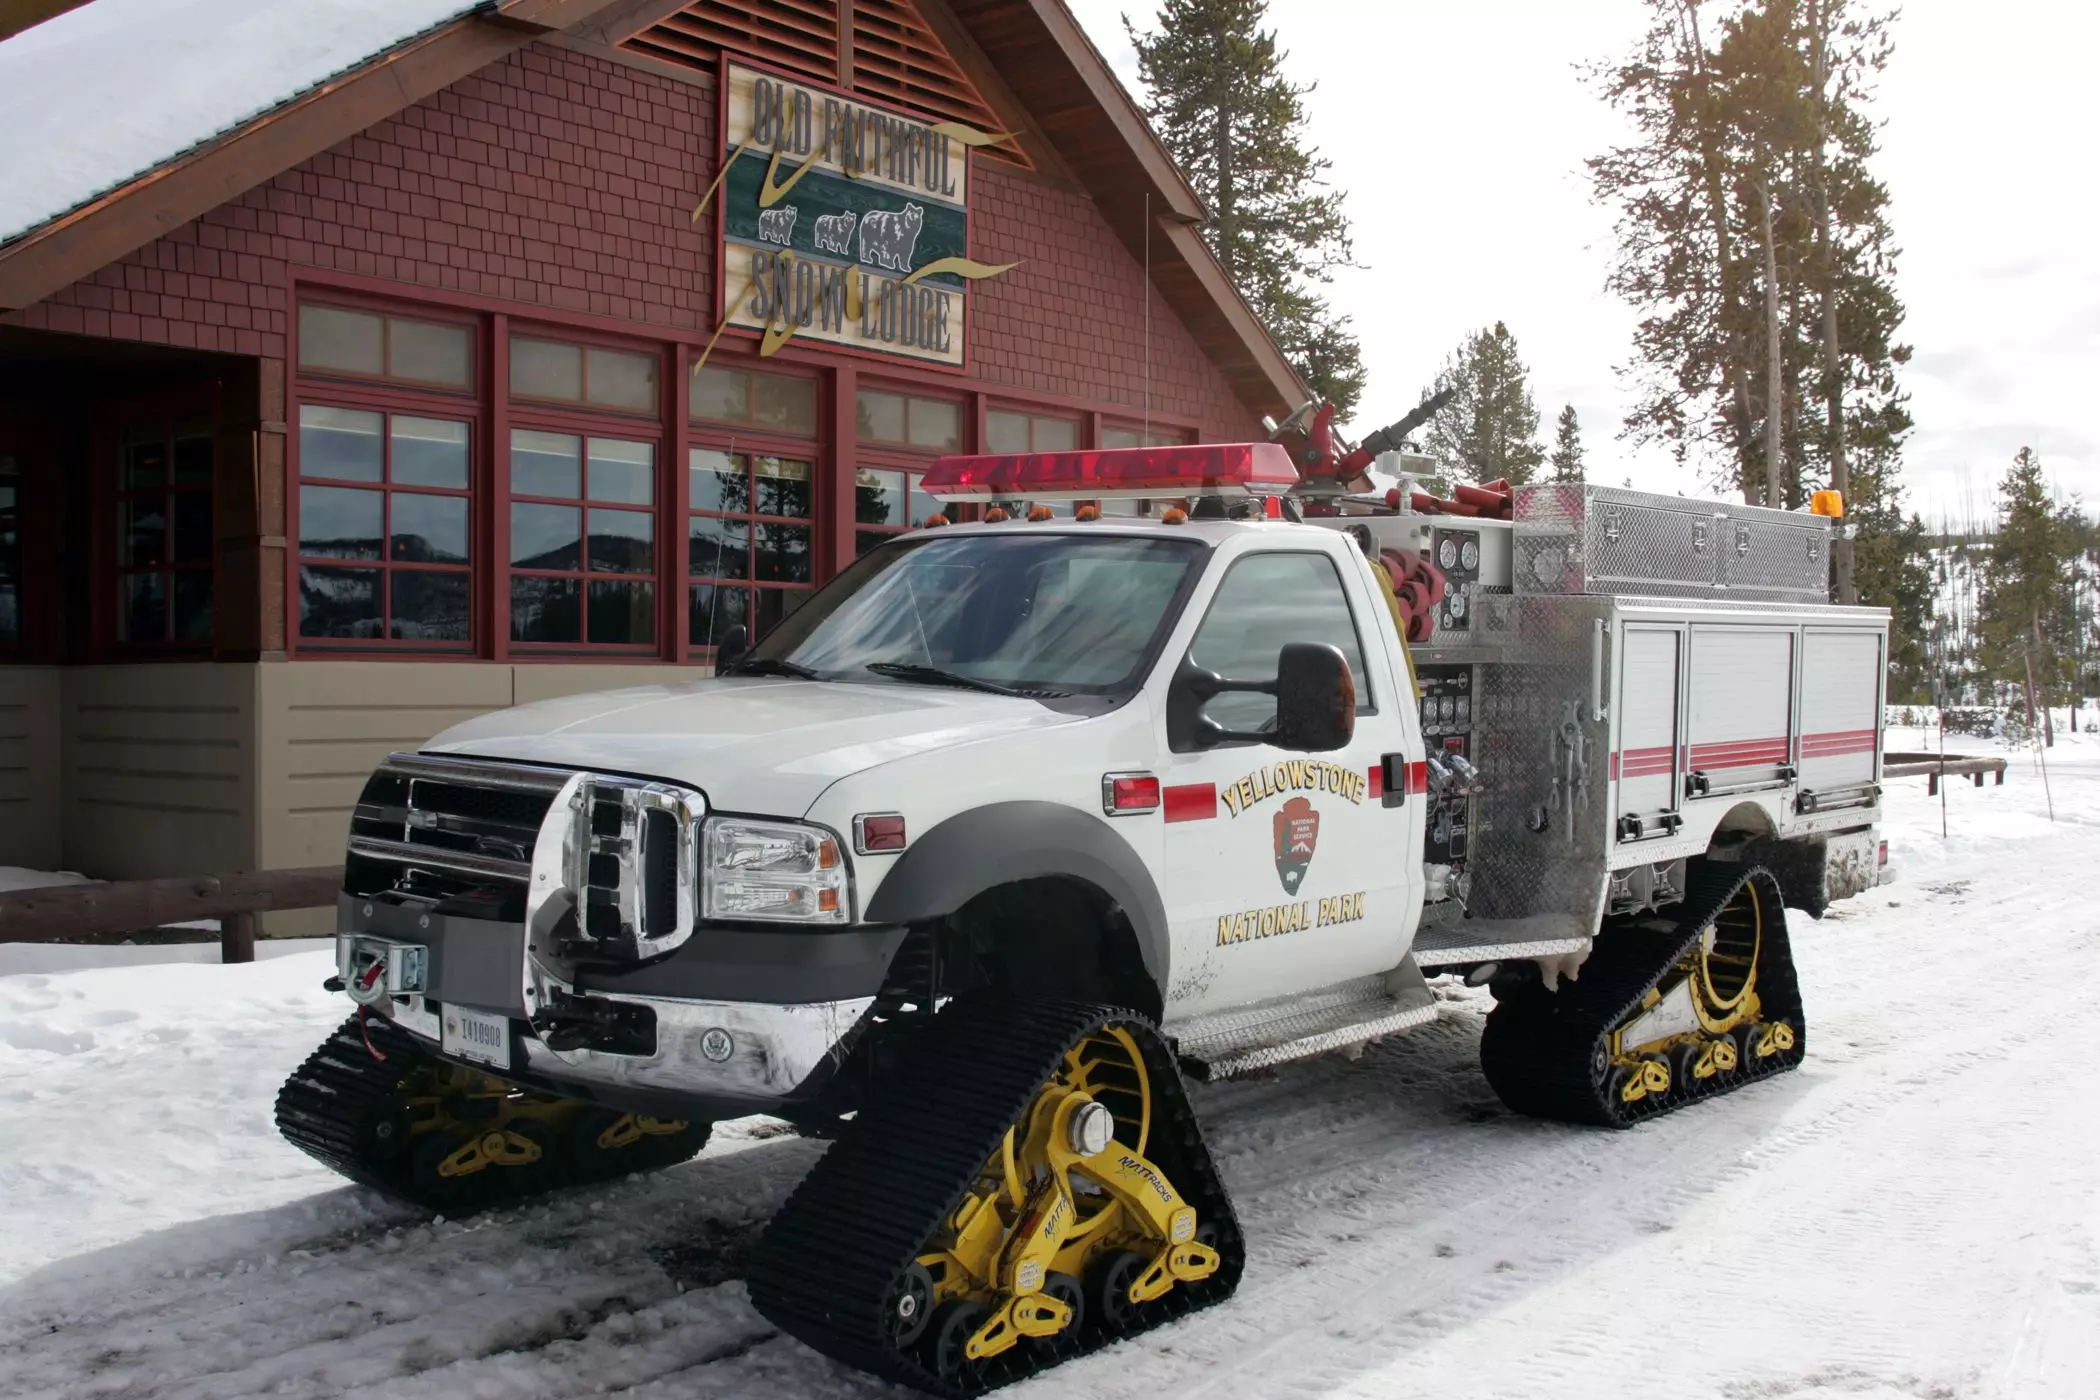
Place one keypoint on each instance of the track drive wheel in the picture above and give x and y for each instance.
(1658, 1019)
(1081, 1205)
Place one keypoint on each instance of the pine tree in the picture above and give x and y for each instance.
(2023, 639)
(1489, 431)
(1216, 93)
(1566, 457)
(1756, 243)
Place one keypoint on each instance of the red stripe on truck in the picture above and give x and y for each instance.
(1643, 763)
(1190, 802)
(1739, 753)
(1836, 742)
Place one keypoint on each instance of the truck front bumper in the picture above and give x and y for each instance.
(736, 1022)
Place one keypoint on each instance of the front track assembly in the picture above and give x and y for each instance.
(1662, 1015)
(1034, 1187)
(378, 1108)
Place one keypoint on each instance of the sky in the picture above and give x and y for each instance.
(1458, 133)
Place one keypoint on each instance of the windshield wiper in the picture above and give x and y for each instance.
(934, 675)
(768, 666)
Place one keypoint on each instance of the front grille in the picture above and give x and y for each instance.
(461, 834)
(638, 869)
(450, 831)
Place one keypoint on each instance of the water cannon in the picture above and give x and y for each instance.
(1326, 460)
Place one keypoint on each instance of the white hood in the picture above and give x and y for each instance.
(751, 744)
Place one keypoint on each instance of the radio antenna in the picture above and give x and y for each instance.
(1148, 316)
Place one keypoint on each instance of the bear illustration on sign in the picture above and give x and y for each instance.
(833, 233)
(777, 225)
(888, 237)
(1297, 828)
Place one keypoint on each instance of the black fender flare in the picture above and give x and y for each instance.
(986, 847)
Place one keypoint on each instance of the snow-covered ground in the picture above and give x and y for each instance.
(1916, 1213)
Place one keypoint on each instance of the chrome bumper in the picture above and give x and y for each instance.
(756, 1051)
(732, 1049)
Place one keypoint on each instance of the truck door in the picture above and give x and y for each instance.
(1742, 693)
(1841, 675)
(1285, 871)
(1645, 763)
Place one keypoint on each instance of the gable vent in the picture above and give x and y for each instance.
(801, 36)
(893, 56)
(896, 59)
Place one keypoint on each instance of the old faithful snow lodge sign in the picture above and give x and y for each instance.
(844, 222)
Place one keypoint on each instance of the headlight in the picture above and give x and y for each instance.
(773, 870)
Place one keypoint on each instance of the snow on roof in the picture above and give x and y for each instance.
(106, 92)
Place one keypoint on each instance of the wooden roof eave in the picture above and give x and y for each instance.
(82, 240)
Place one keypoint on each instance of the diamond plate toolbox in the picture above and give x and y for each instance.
(1578, 538)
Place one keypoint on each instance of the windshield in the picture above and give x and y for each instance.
(1074, 613)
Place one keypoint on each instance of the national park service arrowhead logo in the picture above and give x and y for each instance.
(1297, 833)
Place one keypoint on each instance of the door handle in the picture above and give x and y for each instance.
(1392, 779)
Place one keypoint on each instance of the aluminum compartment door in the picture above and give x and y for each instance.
(1840, 707)
(1742, 686)
(1645, 763)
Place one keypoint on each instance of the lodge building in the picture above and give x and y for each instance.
(505, 350)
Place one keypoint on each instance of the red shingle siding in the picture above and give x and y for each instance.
(564, 180)
(1070, 319)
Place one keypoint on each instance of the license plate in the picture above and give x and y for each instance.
(477, 1035)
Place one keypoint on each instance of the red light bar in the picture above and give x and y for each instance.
(1205, 469)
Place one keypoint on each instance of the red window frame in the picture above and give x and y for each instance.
(414, 398)
(584, 344)
(388, 314)
(869, 535)
(965, 406)
(584, 427)
(386, 566)
(122, 493)
(751, 448)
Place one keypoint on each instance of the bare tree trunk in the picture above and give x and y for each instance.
(1737, 368)
(1775, 372)
(1833, 363)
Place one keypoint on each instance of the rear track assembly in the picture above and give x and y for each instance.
(1036, 1189)
(1660, 1017)
(426, 1131)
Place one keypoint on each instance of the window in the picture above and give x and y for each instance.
(1075, 613)
(164, 533)
(881, 416)
(10, 549)
(779, 402)
(582, 540)
(749, 541)
(384, 526)
(585, 374)
(339, 341)
(1119, 435)
(1007, 431)
(887, 503)
(1265, 601)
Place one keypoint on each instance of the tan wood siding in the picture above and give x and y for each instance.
(29, 783)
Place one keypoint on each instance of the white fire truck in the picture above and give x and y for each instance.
(969, 861)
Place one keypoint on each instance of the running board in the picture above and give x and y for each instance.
(1342, 1017)
(1476, 941)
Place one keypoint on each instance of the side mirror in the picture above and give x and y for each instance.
(1315, 702)
(730, 650)
(1315, 698)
